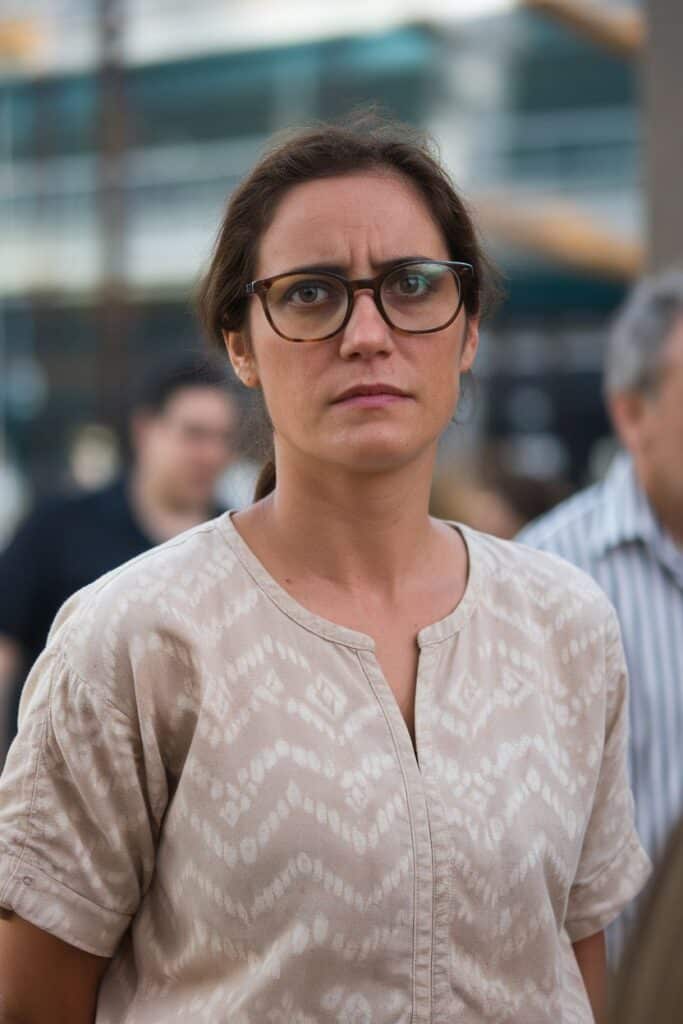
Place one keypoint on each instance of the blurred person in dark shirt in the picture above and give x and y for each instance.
(181, 428)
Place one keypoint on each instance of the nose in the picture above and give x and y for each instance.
(367, 333)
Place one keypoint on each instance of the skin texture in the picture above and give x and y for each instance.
(68, 978)
(650, 425)
(591, 956)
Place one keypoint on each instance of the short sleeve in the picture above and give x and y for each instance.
(77, 832)
(613, 867)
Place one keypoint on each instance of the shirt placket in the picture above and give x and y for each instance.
(430, 844)
(440, 839)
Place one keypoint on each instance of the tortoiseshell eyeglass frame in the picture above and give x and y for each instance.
(373, 284)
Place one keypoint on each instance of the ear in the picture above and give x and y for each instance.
(138, 428)
(627, 410)
(470, 344)
(241, 357)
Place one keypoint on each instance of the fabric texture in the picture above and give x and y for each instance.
(216, 787)
(611, 532)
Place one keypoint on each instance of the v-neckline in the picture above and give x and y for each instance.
(433, 633)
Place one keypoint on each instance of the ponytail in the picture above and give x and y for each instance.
(266, 480)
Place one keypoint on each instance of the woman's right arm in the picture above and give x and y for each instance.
(44, 980)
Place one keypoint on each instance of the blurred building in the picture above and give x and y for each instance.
(124, 126)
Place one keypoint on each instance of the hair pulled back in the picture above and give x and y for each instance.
(363, 142)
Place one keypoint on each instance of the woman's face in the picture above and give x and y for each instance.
(356, 223)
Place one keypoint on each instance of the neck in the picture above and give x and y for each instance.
(667, 506)
(156, 513)
(352, 529)
(670, 516)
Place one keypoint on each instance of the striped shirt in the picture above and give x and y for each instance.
(611, 532)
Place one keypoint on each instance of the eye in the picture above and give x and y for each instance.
(411, 285)
(308, 293)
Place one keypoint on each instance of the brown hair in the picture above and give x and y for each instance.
(650, 982)
(362, 142)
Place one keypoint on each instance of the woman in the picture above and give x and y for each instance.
(327, 759)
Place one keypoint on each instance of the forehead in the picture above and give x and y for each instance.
(353, 219)
(200, 402)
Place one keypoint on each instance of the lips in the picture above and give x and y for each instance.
(370, 389)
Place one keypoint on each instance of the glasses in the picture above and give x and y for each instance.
(413, 297)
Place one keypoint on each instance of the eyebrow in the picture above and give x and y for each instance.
(338, 268)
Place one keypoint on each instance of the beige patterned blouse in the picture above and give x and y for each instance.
(216, 787)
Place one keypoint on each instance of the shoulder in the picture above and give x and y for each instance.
(569, 528)
(518, 560)
(540, 587)
(182, 574)
(172, 597)
(537, 610)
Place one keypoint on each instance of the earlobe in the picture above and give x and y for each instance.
(241, 357)
(470, 344)
(626, 412)
(139, 426)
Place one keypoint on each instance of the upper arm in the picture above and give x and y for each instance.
(82, 797)
(44, 980)
(81, 800)
(591, 956)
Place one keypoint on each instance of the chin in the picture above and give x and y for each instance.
(380, 458)
(382, 448)
(197, 497)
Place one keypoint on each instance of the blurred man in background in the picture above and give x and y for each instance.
(627, 532)
(182, 429)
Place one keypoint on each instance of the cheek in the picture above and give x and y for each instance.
(445, 375)
(288, 383)
(447, 385)
(177, 452)
(676, 420)
(665, 425)
(157, 446)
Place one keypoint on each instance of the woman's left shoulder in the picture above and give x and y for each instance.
(544, 587)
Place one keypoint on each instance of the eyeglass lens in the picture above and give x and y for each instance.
(416, 297)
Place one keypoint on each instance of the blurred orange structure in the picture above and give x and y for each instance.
(19, 38)
(622, 30)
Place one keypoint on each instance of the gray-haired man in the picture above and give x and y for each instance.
(627, 532)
